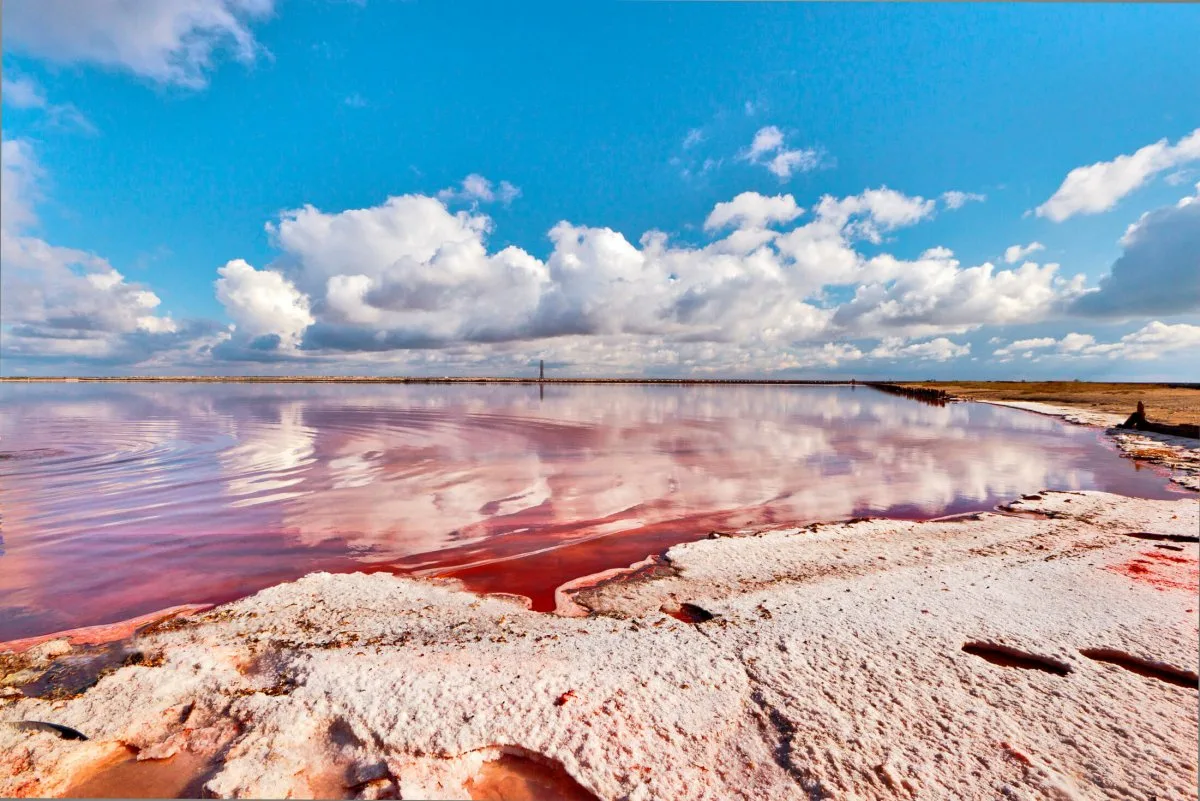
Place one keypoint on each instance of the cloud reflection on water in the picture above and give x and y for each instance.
(141, 496)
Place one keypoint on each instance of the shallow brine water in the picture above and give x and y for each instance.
(121, 499)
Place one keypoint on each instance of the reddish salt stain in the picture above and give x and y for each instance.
(1161, 571)
(1016, 754)
(1164, 557)
(122, 499)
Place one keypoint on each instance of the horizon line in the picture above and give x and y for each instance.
(353, 379)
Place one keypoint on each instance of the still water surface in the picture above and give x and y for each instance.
(120, 499)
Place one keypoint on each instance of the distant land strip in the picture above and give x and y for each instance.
(1169, 403)
(308, 379)
(358, 379)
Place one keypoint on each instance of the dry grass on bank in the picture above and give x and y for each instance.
(1164, 403)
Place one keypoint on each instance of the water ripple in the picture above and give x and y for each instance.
(117, 500)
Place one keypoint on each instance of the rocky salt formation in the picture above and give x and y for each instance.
(1181, 455)
(1049, 651)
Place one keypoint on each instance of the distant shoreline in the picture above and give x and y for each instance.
(1166, 402)
(417, 380)
(355, 379)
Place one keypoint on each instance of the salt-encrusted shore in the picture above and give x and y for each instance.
(1180, 455)
(823, 662)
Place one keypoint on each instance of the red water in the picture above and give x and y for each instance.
(120, 499)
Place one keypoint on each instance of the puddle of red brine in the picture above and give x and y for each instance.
(514, 778)
(180, 776)
(105, 633)
(1161, 571)
(537, 575)
(507, 566)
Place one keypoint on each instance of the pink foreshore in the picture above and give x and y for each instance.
(105, 632)
(874, 658)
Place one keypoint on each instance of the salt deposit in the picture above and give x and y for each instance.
(830, 664)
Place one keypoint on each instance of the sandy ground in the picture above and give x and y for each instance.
(1164, 404)
(1049, 651)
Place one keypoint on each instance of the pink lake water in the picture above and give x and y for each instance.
(121, 499)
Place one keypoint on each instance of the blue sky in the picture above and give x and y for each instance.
(149, 144)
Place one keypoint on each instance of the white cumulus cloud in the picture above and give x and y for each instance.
(1014, 253)
(752, 210)
(62, 302)
(954, 199)
(1159, 271)
(477, 189)
(412, 275)
(939, 349)
(1153, 341)
(168, 41)
(415, 281)
(1097, 187)
(879, 211)
(23, 92)
(769, 149)
(1156, 340)
(936, 294)
(263, 303)
(1022, 345)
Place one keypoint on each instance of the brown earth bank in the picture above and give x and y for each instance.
(1047, 650)
(1165, 403)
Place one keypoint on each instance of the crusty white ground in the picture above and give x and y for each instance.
(832, 669)
(1181, 455)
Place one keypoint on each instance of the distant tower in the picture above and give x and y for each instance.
(541, 369)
